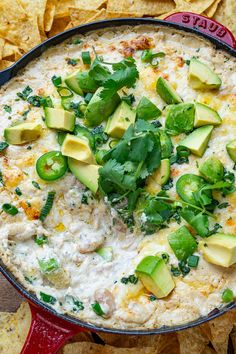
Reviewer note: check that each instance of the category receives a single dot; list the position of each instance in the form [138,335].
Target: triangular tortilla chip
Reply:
[192,341]
[142,7]
[49,14]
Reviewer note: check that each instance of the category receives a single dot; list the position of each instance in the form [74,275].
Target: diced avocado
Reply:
[166,91]
[78,148]
[147,110]
[159,177]
[121,119]
[155,276]
[82,131]
[180,118]
[86,82]
[201,76]
[22,133]
[197,141]
[212,170]
[205,115]
[182,243]
[99,108]
[86,174]
[72,82]
[219,249]
[60,119]
[166,144]
[106,253]
[231,149]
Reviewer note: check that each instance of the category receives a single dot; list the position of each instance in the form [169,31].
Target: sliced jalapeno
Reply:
[51,166]
[187,185]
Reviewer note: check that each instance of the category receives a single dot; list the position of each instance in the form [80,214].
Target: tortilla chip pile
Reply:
[214,337]
[26,23]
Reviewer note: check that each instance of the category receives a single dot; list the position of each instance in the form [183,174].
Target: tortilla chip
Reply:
[225,14]
[197,6]
[49,14]
[5,64]
[192,341]
[209,350]
[92,348]
[13,332]
[80,16]
[90,4]
[142,7]
[2,44]
[212,9]
[233,339]
[59,25]
[110,14]
[17,27]
[220,329]
[11,52]
[35,7]
[62,8]
[162,343]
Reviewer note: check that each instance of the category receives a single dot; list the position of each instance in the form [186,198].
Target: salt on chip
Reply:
[62,8]
[90,4]
[212,9]
[14,332]
[37,8]
[49,14]
[80,16]
[142,7]
[192,341]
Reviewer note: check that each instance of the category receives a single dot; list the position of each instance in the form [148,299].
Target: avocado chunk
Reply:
[197,141]
[147,110]
[22,133]
[120,121]
[212,170]
[78,148]
[201,77]
[166,144]
[86,82]
[159,177]
[155,276]
[219,249]
[182,243]
[60,119]
[106,253]
[205,115]
[180,118]
[72,82]
[100,108]
[231,149]
[86,174]
[166,91]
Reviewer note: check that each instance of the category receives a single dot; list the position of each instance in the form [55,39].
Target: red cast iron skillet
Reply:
[49,329]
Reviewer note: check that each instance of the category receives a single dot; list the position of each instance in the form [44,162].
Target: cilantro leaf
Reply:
[99,72]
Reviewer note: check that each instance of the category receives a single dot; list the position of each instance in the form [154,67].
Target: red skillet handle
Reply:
[47,333]
[205,25]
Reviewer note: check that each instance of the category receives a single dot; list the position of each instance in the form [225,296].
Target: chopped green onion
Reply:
[227,295]
[88,97]
[9,209]
[49,299]
[36,185]
[47,206]
[72,62]
[165,257]
[152,297]
[48,266]
[175,271]
[75,304]
[56,80]
[97,309]
[65,92]
[86,58]
[77,41]
[41,239]
[184,268]
[132,279]
[7,108]
[148,56]
[18,191]
[25,93]
[129,99]
[193,261]
[3,145]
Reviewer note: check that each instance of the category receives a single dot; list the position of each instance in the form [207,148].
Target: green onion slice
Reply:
[47,206]
[10,209]
[86,58]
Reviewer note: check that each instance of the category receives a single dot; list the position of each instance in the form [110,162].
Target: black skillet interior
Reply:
[10,72]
